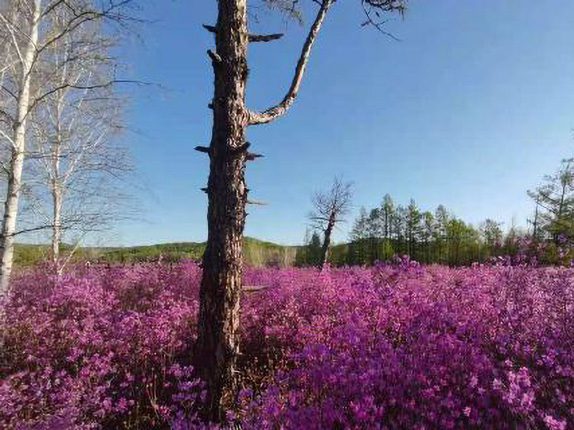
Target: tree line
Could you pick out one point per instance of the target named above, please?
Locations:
(427, 236)
(438, 236)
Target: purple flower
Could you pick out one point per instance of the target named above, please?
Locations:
(397, 345)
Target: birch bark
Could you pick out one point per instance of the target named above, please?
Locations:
(18, 150)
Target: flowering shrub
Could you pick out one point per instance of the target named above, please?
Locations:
(99, 348)
(394, 346)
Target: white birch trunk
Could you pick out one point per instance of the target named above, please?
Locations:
(57, 186)
(57, 226)
(17, 159)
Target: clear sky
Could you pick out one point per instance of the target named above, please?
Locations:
(470, 109)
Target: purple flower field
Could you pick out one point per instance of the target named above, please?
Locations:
(388, 347)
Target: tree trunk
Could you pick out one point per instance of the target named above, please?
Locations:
(57, 226)
(326, 243)
(535, 224)
(217, 343)
(17, 159)
(57, 191)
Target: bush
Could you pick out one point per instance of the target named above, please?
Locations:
(394, 346)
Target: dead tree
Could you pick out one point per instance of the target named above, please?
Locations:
(217, 344)
(329, 209)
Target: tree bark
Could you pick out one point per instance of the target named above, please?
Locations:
(217, 343)
(17, 158)
(56, 187)
(326, 242)
(57, 226)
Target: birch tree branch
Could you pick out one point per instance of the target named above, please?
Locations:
(85, 87)
(11, 31)
(31, 230)
(7, 137)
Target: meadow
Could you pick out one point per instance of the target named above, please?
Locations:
(392, 346)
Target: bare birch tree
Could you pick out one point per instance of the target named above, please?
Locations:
(77, 171)
(32, 28)
(217, 345)
(330, 209)
(77, 165)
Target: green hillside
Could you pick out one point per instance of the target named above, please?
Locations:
(256, 252)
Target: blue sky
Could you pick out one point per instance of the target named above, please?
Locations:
(470, 109)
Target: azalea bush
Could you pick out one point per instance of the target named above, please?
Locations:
(393, 346)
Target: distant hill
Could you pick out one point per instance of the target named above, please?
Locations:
(257, 252)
